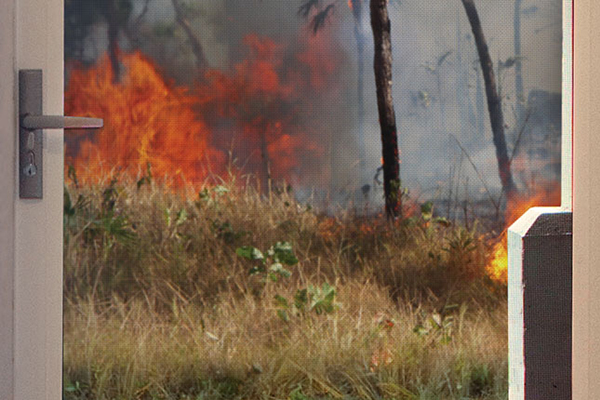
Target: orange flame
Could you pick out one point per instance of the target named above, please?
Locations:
(146, 121)
(497, 268)
(260, 110)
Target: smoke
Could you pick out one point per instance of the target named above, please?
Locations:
(436, 89)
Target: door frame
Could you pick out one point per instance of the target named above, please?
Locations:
(586, 192)
(31, 36)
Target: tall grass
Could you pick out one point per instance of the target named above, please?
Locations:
(159, 305)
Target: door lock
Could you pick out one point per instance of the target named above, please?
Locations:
(31, 123)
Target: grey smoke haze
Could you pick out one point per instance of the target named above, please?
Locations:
(434, 104)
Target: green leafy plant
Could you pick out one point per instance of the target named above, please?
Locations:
(322, 299)
(271, 263)
(438, 324)
(319, 300)
(211, 196)
(226, 231)
(425, 218)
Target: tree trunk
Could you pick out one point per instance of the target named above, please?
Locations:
(493, 100)
(266, 161)
(113, 20)
(480, 107)
(518, 65)
(380, 23)
(113, 50)
(462, 80)
(360, 46)
(201, 61)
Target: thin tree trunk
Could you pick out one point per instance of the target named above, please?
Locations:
(380, 23)
(360, 46)
(201, 61)
(111, 13)
(518, 66)
(266, 161)
(462, 79)
(480, 107)
(493, 100)
(113, 50)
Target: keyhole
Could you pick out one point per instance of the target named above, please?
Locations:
(30, 169)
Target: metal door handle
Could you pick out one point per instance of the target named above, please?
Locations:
(31, 123)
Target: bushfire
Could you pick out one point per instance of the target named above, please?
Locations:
(257, 118)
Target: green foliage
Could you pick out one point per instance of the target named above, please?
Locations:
(212, 197)
(312, 299)
(322, 299)
(105, 224)
(72, 211)
(223, 388)
(426, 216)
(147, 179)
(180, 217)
(271, 264)
(226, 231)
(250, 252)
(297, 394)
(281, 252)
(460, 241)
(439, 325)
(480, 381)
(74, 389)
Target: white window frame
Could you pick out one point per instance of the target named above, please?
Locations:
(31, 36)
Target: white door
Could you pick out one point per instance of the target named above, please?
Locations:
(31, 37)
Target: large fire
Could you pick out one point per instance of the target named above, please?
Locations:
(497, 268)
(255, 118)
(258, 118)
(146, 121)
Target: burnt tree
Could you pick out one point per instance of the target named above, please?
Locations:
(382, 64)
(116, 13)
(493, 100)
(82, 15)
(197, 49)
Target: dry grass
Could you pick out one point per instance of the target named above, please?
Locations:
(158, 305)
